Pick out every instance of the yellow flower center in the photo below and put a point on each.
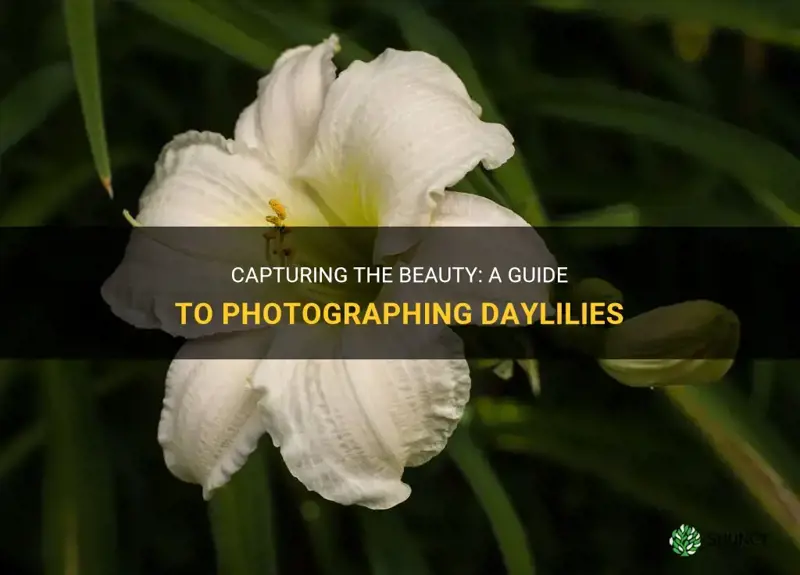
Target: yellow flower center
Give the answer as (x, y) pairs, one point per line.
(319, 250)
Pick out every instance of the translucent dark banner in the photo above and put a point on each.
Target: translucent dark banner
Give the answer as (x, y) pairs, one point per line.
(398, 293)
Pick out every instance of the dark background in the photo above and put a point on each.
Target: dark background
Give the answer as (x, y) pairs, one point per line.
(626, 114)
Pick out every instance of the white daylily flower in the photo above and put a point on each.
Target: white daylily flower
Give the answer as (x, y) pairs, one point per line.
(377, 146)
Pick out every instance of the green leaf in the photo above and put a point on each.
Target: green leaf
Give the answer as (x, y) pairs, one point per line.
(79, 513)
(588, 442)
(9, 368)
(79, 16)
(242, 522)
(684, 80)
(29, 103)
(752, 449)
(17, 450)
(531, 369)
(299, 29)
(37, 204)
(422, 32)
(321, 519)
(506, 525)
(624, 454)
(390, 546)
(220, 25)
(769, 172)
(484, 186)
(617, 216)
(764, 374)
(775, 21)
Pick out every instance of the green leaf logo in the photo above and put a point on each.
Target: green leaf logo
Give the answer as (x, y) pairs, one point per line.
(685, 541)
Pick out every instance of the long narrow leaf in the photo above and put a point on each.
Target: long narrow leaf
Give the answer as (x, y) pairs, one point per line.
(625, 453)
(37, 204)
(79, 512)
(242, 522)
(391, 548)
(321, 524)
(507, 527)
(322, 519)
(208, 23)
(299, 29)
(684, 80)
(79, 16)
(18, 450)
(770, 173)
(30, 102)
(754, 452)
(770, 20)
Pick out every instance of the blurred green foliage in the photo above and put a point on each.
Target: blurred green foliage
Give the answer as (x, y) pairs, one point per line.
(653, 112)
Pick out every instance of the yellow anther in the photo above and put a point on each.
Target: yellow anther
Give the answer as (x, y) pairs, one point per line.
(278, 208)
(275, 221)
(277, 234)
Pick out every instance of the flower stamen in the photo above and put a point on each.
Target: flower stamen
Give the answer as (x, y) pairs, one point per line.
(278, 233)
(275, 221)
(277, 207)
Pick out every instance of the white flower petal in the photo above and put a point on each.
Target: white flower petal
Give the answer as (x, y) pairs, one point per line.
(210, 423)
(394, 133)
(155, 274)
(201, 179)
(282, 121)
(458, 209)
(204, 182)
(348, 428)
(457, 239)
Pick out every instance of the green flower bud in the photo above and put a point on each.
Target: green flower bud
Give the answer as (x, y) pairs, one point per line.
(690, 343)
(664, 372)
